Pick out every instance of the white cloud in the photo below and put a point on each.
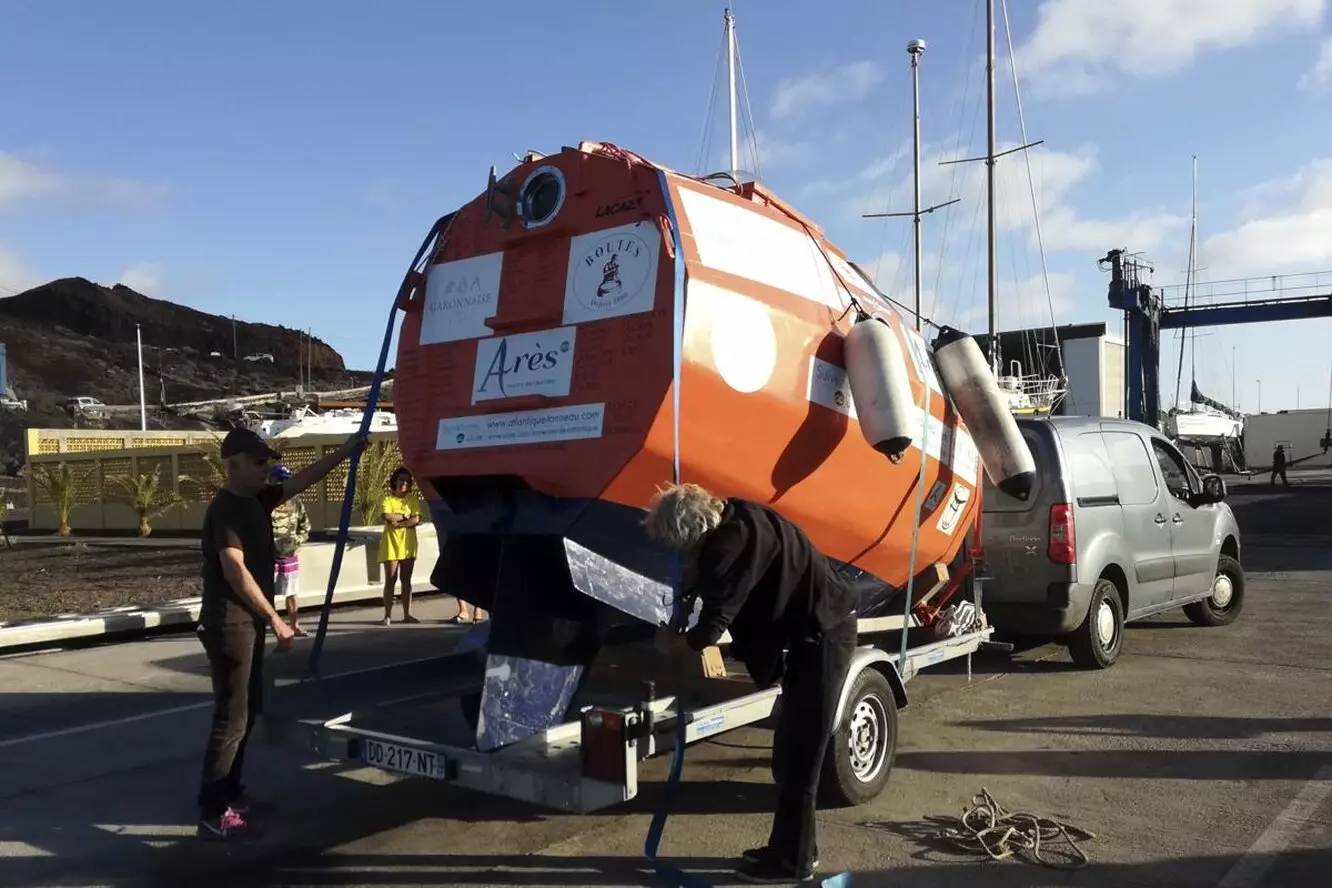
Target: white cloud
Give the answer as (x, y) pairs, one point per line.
(144, 277)
(843, 84)
(15, 277)
(1319, 77)
(1290, 234)
(1078, 45)
(23, 182)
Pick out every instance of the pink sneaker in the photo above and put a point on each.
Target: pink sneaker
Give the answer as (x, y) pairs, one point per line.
(230, 825)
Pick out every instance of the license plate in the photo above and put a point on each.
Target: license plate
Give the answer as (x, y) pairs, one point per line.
(402, 759)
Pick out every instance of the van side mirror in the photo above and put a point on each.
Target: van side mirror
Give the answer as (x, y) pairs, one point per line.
(1213, 490)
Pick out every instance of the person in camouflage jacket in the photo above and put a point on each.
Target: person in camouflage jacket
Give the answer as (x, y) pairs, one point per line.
(291, 528)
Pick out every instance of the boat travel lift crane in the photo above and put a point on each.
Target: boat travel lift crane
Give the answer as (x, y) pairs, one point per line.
(1146, 315)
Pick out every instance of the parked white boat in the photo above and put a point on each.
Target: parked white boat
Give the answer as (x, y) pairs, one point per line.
(1202, 425)
(305, 421)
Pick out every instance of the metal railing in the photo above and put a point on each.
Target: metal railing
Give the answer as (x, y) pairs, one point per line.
(1307, 285)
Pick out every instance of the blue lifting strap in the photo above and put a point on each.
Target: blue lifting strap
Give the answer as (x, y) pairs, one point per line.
(371, 402)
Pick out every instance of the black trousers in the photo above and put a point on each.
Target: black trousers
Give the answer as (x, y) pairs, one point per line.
(235, 661)
(815, 670)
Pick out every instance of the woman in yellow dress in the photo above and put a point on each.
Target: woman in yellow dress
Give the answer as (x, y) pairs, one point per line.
(397, 544)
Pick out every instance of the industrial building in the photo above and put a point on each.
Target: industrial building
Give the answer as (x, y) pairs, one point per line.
(1093, 361)
(1299, 431)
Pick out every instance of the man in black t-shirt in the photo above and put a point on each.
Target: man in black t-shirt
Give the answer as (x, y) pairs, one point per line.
(238, 552)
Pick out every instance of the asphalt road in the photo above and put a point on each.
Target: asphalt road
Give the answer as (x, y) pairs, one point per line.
(1204, 757)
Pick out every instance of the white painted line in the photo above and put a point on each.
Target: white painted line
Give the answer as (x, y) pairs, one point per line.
(144, 716)
(97, 726)
(1249, 870)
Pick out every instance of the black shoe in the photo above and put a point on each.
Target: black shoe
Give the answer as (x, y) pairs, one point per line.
(756, 855)
(771, 871)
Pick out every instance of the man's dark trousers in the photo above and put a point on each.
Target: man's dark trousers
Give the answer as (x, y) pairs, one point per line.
(235, 660)
(815, 670)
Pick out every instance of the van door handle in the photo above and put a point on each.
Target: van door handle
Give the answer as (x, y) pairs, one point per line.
(1178, 519)
(1160, 519)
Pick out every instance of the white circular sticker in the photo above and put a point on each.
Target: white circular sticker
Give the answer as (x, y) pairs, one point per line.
(614, 270)
(744, 343)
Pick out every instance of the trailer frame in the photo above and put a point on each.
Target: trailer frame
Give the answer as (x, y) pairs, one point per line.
(590, 762)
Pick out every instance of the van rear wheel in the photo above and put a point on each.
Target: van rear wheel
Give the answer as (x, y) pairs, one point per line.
(1096, 643)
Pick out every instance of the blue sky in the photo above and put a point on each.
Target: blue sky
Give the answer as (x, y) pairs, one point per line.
(283, 161)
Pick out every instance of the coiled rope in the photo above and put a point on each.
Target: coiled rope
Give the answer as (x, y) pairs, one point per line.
(987, 827)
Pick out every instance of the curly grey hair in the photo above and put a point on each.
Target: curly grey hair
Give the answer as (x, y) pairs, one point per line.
(682, 514)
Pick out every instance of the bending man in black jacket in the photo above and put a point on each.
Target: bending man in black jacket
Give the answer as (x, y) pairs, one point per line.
(758, 576)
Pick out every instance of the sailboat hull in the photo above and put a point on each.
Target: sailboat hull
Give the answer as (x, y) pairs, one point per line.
(1203, 428)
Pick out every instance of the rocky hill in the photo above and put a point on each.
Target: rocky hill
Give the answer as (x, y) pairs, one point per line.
(72, 337)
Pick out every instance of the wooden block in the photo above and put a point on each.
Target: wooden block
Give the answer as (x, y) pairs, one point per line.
(713, 665)
(940, 580)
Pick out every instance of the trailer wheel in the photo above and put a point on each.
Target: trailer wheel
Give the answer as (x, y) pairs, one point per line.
(860, 754)
(1226, 600)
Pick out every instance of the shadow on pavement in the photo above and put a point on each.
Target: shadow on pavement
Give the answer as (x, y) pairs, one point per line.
(1194, 727)
(1294, 867)
(1154, 764)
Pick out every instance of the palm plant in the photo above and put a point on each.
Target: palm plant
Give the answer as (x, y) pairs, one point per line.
(145, 495)
(60, 483)
(372, 476)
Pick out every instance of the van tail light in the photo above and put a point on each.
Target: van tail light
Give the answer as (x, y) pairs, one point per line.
(1063, 547)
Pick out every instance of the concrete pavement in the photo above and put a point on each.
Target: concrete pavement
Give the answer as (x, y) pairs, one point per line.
(1204, 757)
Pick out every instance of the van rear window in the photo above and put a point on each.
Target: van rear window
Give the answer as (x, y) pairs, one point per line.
(995, 500)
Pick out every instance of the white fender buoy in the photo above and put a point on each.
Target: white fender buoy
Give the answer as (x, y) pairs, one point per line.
(975, 393)
(876, 371)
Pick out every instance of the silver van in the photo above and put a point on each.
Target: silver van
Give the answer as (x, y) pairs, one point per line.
(1118, 527)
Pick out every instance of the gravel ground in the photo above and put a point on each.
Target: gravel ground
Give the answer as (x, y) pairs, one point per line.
(42, 580)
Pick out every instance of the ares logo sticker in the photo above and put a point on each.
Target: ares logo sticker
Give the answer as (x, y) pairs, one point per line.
(612, 273)
(538, 363)
(622, 206)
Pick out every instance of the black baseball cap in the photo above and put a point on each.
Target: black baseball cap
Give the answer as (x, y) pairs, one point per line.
(240, 442)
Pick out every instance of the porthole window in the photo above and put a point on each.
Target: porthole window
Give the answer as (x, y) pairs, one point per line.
(541, 197)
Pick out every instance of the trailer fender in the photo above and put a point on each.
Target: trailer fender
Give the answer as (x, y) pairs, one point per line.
(878, 660)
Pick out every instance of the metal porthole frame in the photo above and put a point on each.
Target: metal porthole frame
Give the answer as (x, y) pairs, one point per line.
(523, 203)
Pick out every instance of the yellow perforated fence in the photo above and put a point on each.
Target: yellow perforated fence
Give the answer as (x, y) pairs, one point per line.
(41, 442)
(193, 472)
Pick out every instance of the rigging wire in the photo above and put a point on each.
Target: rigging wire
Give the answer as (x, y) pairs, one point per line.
(705, 137)
(954, 187)
(958, 171)
(1031, 184)
(749, 110)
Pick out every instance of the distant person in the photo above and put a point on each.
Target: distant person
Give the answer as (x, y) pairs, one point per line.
(397, 544)
(238, 597)
(1279, 465)
(792, 619)
(291, 529)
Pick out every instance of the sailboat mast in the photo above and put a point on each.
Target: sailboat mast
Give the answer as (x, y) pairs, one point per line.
(730, 88)
(989, 184)
(915, 49)
(1193, 272)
